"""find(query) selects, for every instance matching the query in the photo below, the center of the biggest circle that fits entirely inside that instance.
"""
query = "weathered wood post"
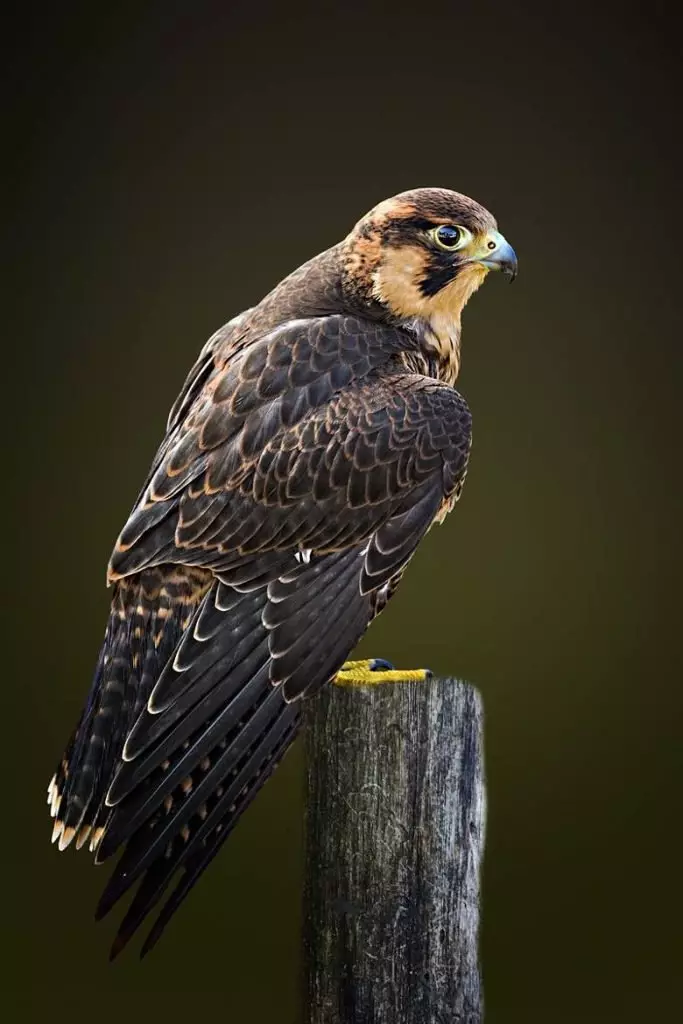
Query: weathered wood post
(394, 839)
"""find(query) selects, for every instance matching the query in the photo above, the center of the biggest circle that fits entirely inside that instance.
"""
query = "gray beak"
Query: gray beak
(503, 257)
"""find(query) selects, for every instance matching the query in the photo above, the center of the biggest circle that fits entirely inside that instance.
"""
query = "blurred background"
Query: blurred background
(169, 162)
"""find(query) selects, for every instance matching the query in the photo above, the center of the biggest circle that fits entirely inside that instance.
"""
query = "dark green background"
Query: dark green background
(170, 163)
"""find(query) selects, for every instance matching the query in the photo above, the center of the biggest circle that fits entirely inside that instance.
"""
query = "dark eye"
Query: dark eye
(447, 236)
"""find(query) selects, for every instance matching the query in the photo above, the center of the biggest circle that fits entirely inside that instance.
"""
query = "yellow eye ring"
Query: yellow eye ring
(450, 237)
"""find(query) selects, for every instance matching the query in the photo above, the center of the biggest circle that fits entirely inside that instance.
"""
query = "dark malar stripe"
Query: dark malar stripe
(440, 272)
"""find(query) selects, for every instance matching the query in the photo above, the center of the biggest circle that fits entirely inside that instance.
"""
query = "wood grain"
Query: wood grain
(394, 840)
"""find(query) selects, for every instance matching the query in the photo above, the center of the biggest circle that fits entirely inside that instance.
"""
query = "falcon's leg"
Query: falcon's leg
(377, 670)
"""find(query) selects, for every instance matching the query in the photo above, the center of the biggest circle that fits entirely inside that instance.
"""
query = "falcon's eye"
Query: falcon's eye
(449, 237)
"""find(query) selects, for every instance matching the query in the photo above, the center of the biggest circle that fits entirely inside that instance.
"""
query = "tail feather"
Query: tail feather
(148, 616)
(96, 742)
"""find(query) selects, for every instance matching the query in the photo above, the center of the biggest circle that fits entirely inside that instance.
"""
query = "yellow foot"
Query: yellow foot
(376, 670)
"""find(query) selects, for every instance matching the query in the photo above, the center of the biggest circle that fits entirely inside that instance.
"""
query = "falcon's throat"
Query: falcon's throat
(430, 299)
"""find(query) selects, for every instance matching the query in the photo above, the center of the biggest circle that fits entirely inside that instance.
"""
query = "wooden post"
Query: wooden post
(394, 838)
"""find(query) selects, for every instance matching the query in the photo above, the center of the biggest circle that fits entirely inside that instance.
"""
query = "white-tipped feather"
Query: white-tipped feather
(56, 803)
(66, 837)
(95, 839)
(83, 835)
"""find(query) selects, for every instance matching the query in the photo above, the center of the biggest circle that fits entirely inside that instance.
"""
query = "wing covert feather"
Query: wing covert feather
(304, 439)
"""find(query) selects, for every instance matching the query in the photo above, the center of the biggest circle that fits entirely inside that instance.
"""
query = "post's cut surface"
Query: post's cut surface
(394, 838)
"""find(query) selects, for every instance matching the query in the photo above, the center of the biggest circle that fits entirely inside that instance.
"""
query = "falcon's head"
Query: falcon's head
(421, 254)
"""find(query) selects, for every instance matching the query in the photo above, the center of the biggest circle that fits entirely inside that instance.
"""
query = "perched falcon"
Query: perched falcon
(317, 438)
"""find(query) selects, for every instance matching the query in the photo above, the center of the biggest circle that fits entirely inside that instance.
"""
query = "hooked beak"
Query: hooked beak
(500, 256)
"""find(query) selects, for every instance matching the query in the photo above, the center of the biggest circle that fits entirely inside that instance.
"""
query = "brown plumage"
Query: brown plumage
(315, 441)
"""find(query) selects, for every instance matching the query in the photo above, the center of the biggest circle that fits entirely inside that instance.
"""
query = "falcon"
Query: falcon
(315, 441)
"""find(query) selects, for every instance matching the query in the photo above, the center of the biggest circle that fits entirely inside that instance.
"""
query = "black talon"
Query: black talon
(380, 665)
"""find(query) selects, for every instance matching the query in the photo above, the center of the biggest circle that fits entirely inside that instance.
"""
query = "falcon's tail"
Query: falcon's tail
(149, 613)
